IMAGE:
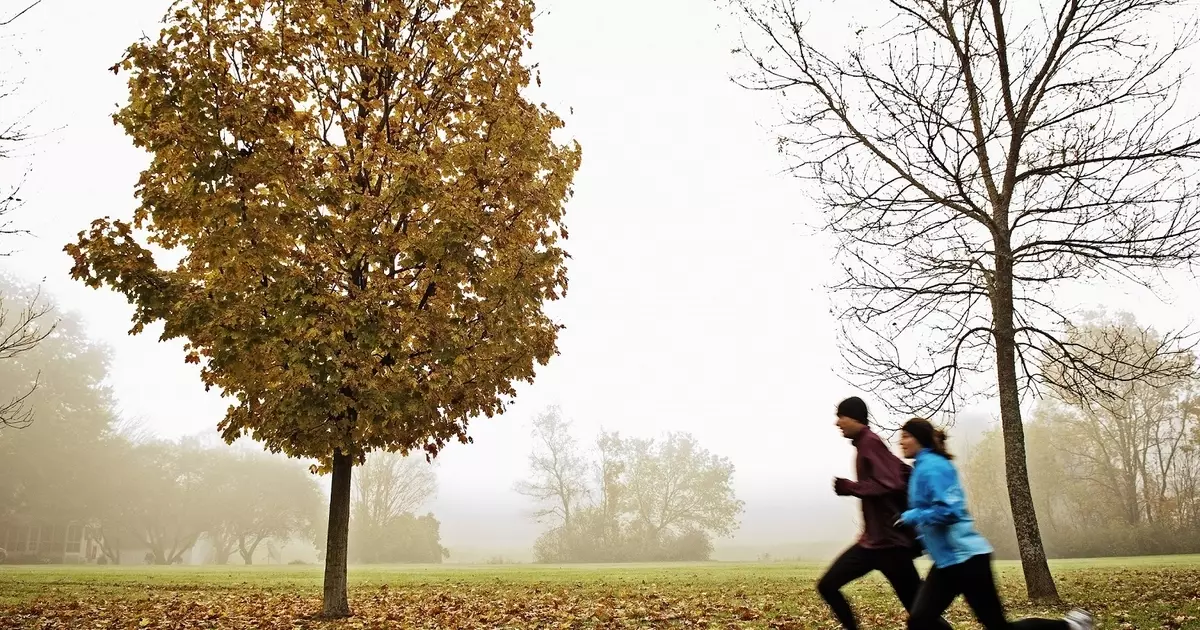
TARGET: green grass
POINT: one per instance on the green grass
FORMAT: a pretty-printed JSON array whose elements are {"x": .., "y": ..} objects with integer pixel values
[{"x": 1161, "y": 592}]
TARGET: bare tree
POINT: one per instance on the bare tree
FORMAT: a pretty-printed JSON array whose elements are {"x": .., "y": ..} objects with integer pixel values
[
  {"x": 972, "y": 156},
  {"x": 13, "y": 133},
  {"x": 389, "y": 485},
  {"x": 558, "y": 470},
  {"x": 22, "y": 333},
  {"x": 19, "y": 335}
]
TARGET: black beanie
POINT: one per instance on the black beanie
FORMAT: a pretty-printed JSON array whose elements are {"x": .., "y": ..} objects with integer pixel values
[{"x": 853, "y": 407}]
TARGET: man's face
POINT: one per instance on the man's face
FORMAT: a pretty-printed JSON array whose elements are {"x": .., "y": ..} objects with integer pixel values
[{"x": 849, "y": 426}]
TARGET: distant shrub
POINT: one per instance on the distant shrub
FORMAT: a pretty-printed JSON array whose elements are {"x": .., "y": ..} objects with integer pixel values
[
  {"x": 297, "y": 562},
  {"x": 1101, "y": 542}
]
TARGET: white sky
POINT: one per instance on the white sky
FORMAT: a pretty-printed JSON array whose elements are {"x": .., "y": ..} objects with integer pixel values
[{"x": 695, "y": 301}]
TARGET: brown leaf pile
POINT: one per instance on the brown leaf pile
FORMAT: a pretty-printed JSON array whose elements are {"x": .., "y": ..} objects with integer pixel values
[
  {"x": 1123, "y": 598},
  {"x": 451, "y": 606}
]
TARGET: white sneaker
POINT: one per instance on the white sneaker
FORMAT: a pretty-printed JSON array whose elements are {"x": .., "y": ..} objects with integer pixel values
[{"x": 1080, "y": 620}]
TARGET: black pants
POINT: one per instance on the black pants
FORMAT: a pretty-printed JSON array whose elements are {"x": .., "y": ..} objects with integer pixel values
[
  {"x": 895, "y": 564},
  {"x": 973, "y": 580}
]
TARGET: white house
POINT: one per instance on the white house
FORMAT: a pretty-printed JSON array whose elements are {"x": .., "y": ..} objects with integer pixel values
[{"x": 35, "y": 543}]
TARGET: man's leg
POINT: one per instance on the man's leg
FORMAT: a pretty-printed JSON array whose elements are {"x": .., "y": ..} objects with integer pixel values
[
  {"x": 853, "y": 564},
  {"x": 897, "y": 566}
]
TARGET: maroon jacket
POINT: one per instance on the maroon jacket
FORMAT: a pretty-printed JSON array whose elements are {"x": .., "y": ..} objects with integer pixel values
[{"x": 883, "y": 488}]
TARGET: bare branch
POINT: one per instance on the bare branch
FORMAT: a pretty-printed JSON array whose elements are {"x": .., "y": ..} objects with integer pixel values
[
  {"x": 17, "y": 338},
  {"x": 957, "y": 139},
  {"x": 20, "y": 13}
]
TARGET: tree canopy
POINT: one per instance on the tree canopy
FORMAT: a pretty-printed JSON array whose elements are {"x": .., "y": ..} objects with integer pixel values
[{"x": 369, "y": 213}]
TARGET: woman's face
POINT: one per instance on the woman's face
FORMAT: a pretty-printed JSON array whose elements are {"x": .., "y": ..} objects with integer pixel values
[{"x": 909, "y": 445}]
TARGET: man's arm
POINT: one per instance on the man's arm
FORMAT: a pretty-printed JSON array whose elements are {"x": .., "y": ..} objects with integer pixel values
[{"x": 885, "y": 473}]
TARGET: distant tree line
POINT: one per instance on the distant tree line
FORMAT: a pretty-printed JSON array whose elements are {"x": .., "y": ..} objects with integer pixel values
[
  {"x": 73, "y": 465},
  {"x": 1115, "y": 470},
  {"x": 630, "y": 499}
]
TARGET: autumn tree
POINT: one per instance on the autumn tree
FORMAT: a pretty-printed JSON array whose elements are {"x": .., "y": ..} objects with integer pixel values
[
  {"x": 170, "y": 501},
  {"x": 1130, "y": 442},
  {"x": 367, "y": 212},
  {"x": 1055, "y": 493},
  {"x": 1083, "y": 512},
  {"x": 653, "y": 499},
  {"x": 971, "y": 157},
  {"x": 258, "y": 498},
  {"x": 676, "y": 486}
]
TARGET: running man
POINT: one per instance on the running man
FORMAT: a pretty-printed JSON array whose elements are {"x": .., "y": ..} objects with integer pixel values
[{"x": 882, "y": 487}]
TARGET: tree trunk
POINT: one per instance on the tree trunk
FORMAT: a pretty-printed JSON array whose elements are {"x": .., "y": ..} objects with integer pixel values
[
  {"x": 1133, "y": 509},
  {"x": 1039, "y": 582},
  {"x": 337, "y": 605},
  {"x": 247, "y": 553}
]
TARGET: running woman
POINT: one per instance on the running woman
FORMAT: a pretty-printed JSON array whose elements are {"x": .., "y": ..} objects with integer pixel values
[{"x": 962, "y": 557}]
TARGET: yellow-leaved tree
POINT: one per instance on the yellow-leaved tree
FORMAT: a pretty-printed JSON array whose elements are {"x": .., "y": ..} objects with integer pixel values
[{"x": 369, "y": 215}]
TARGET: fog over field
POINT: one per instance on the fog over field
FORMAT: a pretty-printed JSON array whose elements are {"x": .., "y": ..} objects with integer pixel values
[{"x": 698, "y": 306}]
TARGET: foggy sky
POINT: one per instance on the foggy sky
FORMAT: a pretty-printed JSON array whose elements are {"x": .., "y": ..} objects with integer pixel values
[{"x": 695, "y": 302}]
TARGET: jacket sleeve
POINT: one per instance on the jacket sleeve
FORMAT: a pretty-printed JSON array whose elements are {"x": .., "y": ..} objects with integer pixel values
[
  {"x": 947, "y": 503},
  {"x": 885, "y": 473}
]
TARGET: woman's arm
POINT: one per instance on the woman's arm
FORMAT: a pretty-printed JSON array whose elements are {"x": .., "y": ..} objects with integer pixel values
[{"x": 945, "y": 500}]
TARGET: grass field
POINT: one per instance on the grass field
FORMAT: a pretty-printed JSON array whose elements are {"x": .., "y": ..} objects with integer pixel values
[{"x": 1139, "y": 593}]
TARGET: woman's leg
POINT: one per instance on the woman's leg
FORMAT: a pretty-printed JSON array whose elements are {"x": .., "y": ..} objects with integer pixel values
[
  {"x": 897, "y": 566},
  {"x": 979, "y": 589},
  {"x": 937, "y": 592}
]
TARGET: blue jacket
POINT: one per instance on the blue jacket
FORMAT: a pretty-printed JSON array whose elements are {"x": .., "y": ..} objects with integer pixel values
[{"x": 938, "y": 511}]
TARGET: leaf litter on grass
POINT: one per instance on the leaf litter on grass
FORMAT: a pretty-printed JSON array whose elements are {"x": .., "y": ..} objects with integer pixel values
[{"x": 1132, "y": 599}]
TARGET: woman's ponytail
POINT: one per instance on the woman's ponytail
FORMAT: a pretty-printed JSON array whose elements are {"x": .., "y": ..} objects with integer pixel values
[{"x": 939, "y": 444}]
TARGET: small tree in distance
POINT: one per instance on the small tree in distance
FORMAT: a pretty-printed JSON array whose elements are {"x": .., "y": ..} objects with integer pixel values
[
  {"x": 559, "y": 472},
  {"x": 650, "y": 500},
  {"x": 369, "y": 214},
  {"x": 972, "y": 156}
]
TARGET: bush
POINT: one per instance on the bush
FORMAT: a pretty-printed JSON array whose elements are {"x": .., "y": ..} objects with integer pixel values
[
  {"x": 690, "y": 546},
  {"x": 1100, "y": 542},
  {"x": 406, "y": 538},
  {"x": 589, "y": 540}
]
